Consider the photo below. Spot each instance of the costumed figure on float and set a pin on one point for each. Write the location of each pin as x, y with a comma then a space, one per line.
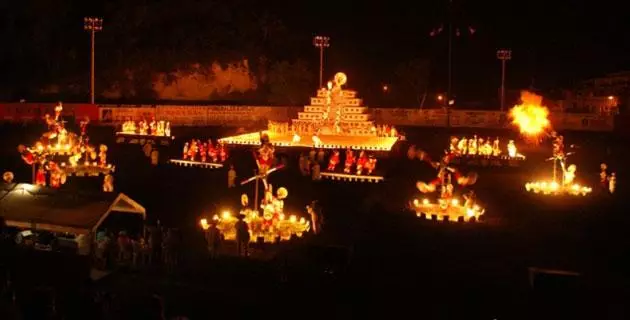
349, 161
447, 207
333, 161
265, 158
362, 162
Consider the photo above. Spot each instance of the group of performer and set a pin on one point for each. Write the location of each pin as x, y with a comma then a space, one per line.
198, 151
151, 128
477, 146
353, 164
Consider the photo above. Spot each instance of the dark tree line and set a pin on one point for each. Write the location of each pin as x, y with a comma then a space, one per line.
45, 50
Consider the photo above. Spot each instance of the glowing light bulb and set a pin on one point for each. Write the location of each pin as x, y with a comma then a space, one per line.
425, 201
226, 215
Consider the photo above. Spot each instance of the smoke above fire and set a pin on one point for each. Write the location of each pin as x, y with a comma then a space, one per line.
530, 116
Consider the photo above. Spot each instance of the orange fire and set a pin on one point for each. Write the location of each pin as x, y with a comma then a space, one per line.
531, 117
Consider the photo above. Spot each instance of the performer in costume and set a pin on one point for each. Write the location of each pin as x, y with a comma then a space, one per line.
511, 148
167, 129
445, 171
462, 146
569, 174
185, 151
361, 162
40, 177
102, 155
265, 158
453, 146
496, 148
108, 183
212, 151
472, 146
370, 166
603, 176
202, 151
26, 154
192, 151
350, 159
222, 152
333, 161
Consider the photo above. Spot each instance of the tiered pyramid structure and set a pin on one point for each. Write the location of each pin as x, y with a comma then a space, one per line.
354, 118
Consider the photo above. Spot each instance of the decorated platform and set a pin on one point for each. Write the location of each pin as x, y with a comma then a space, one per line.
475, 151
143, 132
202, 154
198, 164
134, 138
351, 177
60, 153
370, 143
448, 206
445, 210
335, 119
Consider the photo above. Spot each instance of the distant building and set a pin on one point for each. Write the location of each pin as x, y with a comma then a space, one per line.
606, 94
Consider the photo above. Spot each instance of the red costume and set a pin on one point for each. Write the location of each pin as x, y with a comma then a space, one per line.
40, 177
333, 161
212, 152
370, 165
222, 153
445, 172
265, 157
203, 152
361, 162
350, 159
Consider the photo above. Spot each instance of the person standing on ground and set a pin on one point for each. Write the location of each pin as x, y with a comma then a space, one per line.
155, 157
242, 236
315, 172
231, 177
213, 238
320, 156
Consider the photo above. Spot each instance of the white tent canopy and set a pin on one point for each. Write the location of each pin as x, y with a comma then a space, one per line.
27, 206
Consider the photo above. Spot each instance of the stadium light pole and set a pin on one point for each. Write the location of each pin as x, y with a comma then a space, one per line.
321, 42
92, 25
503, 55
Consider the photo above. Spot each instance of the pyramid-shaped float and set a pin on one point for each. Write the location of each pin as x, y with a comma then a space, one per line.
335, 119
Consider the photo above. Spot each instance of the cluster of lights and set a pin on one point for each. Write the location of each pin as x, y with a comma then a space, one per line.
447, 209
83, 158
555, 188
478, 147
144, 128
351, 177
270, 230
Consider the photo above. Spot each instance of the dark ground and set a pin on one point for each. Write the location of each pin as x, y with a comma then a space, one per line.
399, 264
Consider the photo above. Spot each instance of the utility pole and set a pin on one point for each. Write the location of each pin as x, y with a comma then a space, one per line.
321, 42
503, 55
92, 25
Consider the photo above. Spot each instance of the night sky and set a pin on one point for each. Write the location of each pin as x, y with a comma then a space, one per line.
554, 43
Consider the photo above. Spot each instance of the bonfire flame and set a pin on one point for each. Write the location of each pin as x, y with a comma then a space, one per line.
530, 116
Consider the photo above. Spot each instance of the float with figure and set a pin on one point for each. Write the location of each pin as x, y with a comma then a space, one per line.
339, 126
196, 153
531, 117
448, 206
143, 132
60, 153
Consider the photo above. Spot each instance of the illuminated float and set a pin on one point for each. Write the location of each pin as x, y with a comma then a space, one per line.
334, 120
142, 132
272, 226
479, 151
531, 117
356, 166
447, 207
202, 155
60, 153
